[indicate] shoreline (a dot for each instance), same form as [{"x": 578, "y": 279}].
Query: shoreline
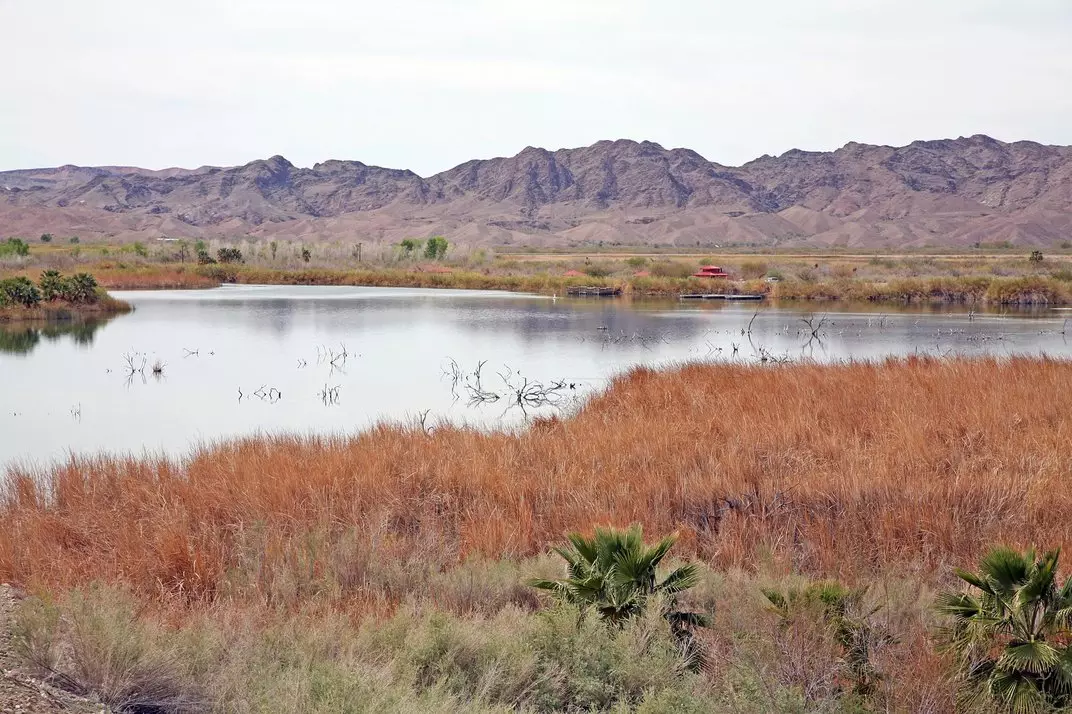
[
  {"x": 967, "y": 290},
  {"x": 60, "y": 311}
]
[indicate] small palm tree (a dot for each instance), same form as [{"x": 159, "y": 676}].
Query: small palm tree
[
  {"x": 1011, "y": 636},
  {"x": 615, "y": 573}
]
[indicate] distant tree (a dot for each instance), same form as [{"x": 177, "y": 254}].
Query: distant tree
[
  {"x": 184, "y": 251},
  {"x": 409, "y": 246},
  {"x": 306, "y": 254},
  {"x": 435, "y": 248},
  {"x": 75, "y": 240},
  {"x": 229, "y": 255},
  {"x": 1036, "y": 256},
  {"x": 203, "y": 257},
  {"x": 46, "y": 237},
  {"x": 140, "y": 250},
  {"x": 15, "y": 247},
  {"x": 273, "y": 246}
]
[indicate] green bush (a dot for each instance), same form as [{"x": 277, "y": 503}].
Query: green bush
[
  {"x": 46, "y": 237},
  {"x": 1010, "y": 633},
  {"x": 52, "y": 284},
  {"x": 203, "y": 257},
  {"x": 14, "y": 247},
  {"x": 559, "y": 660},
  {"x": 229, "y": 255},
  {"x": 435, "y": 248},
  {"x": 19, "y": 291},
  {"x": 81, "y": 288}
]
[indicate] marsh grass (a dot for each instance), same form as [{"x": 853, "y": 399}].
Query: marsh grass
[{"x": 838, "y": 469}]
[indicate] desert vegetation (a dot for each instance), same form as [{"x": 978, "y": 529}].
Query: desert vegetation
[
  {"x": 969, "y": 277},
  {"x": 55, "y": 296},
  {"x": 818, "y": 511}
]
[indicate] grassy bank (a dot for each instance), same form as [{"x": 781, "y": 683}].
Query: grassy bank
[
  {"x": 385, "y": 571},
  {"x": 977, "y": 290},
  {"x": 968, "y": 277}
]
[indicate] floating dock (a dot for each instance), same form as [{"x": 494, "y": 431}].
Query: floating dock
[{"x": 719, "y": 296}]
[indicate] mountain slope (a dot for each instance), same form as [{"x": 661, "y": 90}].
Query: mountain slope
[{"x": 946, "y": 192}]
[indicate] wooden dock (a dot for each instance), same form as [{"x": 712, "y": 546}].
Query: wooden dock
[
  {"x": 592, "y": 291},
  {"x": 720, "y": 296}
]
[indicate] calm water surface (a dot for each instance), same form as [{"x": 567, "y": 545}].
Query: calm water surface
[{"x": 245, "y": 360}]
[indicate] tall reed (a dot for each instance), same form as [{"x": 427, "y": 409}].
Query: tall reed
[{"x": 842, "y": 470}]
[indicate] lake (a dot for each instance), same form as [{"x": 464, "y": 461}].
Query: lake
[{"x": 242, "y": 360}]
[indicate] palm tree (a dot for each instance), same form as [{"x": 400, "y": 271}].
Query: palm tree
[
  {"x": 1011, "y": 635},
  {"x": 615, "y": 573}
]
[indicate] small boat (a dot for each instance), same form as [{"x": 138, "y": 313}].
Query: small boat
[
  {"x": 593, "y": 291},
  {"x": 711, "y": 271},
  {"x": 721, "y": 296}
]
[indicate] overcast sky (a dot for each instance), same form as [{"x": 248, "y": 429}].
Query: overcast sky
[{"x": 427, "y": 84}]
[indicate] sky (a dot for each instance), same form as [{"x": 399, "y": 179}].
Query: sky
[{"x": 426, "y": 85}]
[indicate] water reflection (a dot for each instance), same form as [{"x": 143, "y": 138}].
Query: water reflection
[{"x": 22, "y": 338}]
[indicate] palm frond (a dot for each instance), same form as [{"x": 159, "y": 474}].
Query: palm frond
[{"x": 1030, "y": 657}]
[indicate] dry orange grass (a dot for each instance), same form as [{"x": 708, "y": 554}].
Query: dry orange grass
[
  {"x": 841, "y": 470},
  {"x": 152, "y": 277}
]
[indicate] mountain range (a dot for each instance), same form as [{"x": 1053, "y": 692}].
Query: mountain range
[{"x": 949, "y": 192}]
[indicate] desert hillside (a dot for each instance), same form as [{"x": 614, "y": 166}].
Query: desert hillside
[{"x": 953, "y": 192}]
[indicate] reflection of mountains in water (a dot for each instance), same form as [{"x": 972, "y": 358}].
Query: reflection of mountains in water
[{"x": 22, "y": 337}]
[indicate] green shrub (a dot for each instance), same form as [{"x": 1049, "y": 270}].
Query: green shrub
[
  {"x": 81, "y": 288},
  {"x": 845, "y": 613},
  {"x": 636, "y": 262},
  {"x": 46, "y": 237},
  {"x": 19, "y": 291},
  {"x": 14, "y": 247},
  {"x": 229, "y": 255},
  {"x": 1010, "y": 633},
  {"x": 203, "y": 257},
  {"x": 435, "y": 248},
  {"x": 52, "y": 285}
]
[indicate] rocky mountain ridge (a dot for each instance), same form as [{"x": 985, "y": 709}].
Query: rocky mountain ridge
[{"x": 928, "y": 193}]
